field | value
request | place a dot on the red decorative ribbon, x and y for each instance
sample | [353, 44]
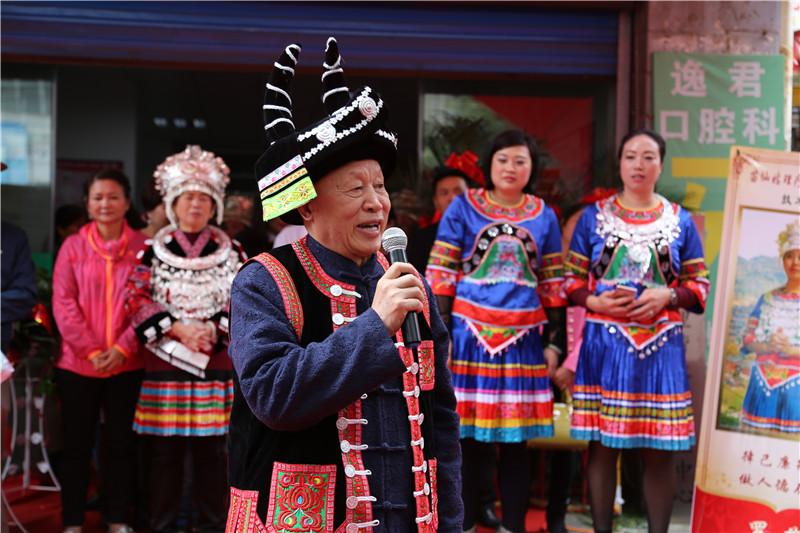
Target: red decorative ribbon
[597, 194]
[467, 163]
[425, 221]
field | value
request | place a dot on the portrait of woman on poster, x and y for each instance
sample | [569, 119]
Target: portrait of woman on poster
[772, 401]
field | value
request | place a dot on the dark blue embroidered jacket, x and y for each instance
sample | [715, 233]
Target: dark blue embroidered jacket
[296, 390]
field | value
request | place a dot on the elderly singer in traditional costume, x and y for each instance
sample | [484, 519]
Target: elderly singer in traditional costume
[336, 425]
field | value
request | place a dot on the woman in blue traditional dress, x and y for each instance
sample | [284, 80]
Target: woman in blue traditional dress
[634, 261]
[496, 268]
[772, 401]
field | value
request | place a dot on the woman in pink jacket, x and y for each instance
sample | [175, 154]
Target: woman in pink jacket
[100, 368]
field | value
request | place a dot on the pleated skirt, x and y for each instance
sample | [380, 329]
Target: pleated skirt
[505, 397]
[184, 408]
[623, 400]
[772, 408]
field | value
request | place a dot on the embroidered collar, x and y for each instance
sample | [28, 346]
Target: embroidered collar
[192, 250]
[530, 206]
[635, 216]
[785, 295]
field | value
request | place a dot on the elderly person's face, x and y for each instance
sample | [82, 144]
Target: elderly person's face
[193, 210]
[349, 213]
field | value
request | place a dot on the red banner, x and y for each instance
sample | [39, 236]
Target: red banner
[731, 515]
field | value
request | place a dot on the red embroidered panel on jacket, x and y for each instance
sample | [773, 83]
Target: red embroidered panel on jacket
[301, 498]
[425, 353]
[242, 515]
[291, 300]
[358, 503]
[419, 375]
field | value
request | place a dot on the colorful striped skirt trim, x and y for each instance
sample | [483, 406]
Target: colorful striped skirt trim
[505, 397]
[184, 408]
[624, 401]
[774, 408]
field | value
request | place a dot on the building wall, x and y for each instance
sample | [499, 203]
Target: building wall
[715, 27]
[96, 110]
[709, 28]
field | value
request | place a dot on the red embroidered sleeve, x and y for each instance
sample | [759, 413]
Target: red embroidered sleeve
[694, 276]
[291, 300]
[150, 320]
[576, 272]
[443, 268]
[551, 281]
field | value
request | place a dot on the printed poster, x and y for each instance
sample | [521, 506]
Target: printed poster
[748, 469]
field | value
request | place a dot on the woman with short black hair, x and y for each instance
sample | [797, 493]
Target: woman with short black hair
[496, 269]
[100, 367]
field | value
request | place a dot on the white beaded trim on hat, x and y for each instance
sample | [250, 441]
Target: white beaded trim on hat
[391, 137]
[328, 134]
[338, 115]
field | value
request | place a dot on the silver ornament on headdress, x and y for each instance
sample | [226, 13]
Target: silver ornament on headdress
[789, 238]
[193, 169]
[336, 93]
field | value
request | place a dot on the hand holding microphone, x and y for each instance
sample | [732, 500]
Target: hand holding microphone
[400, 292]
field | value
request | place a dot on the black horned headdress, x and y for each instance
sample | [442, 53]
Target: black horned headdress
[296, 158]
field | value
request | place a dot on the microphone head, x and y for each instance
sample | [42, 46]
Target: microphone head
[394, 239]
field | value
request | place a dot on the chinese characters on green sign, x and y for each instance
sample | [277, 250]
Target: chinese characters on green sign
[703, 105]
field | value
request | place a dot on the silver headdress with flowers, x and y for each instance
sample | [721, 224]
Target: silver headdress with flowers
[193, 169]
[789, 239]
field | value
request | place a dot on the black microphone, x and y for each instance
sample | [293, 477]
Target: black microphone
[394, 242]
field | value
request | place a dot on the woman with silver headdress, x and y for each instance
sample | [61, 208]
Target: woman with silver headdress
[179, 297]
[772, 401]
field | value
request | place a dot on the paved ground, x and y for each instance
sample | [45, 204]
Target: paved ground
[582, 522]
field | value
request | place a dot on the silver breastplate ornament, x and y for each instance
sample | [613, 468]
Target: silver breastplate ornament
[193, 288]
[639, 239]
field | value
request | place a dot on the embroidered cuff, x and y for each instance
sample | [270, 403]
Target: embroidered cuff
[579, 296]
[155, 327]
[698, 288]
[551, 293]
[577, 264]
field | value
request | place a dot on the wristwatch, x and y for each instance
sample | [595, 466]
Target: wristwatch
[673, 298]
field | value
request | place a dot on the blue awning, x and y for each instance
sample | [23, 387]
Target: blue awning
[415, 37]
